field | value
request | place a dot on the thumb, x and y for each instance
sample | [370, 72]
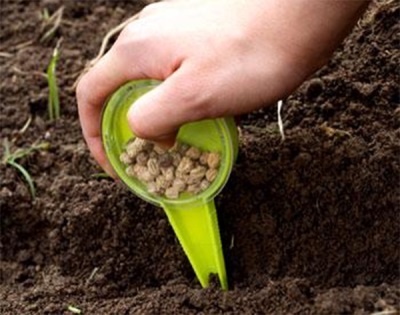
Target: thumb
[158, 115]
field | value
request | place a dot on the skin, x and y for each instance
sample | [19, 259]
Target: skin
[216, 58]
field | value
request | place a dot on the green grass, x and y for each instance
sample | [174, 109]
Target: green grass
[100, 175]
[53, 105]
[10, 158]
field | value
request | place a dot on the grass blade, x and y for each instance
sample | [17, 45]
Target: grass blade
[7, 152]
[100, 175]
[53, 105]
[25, 174]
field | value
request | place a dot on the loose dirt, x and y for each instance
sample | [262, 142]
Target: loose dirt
[310, 225]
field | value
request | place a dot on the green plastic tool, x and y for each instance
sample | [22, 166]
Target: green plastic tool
[193, 218]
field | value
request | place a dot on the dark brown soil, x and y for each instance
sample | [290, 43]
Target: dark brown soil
[310, 225]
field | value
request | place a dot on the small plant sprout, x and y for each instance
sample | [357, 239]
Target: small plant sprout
[100, 175]
[53, 106]
[10, 158]
[44, 15]
[74, 309]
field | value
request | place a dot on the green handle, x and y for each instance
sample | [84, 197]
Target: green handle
[197, 230]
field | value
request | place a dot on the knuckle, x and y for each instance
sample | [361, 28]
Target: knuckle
[81, 89]
[195, 97]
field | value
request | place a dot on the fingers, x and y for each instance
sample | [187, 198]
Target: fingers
[138, 47]
[92, 91]
[181, 98]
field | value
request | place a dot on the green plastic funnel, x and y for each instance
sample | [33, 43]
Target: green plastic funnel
[193, 218]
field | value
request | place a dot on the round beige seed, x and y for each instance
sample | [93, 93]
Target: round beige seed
[130, 171]
[125, 158]
[211, 174]
[185, 165]
[203, 158]
[142, 158]
[145, 176]
[162, 183]
[152, 188]
[152, 166]
[204, 184]
[196, 175]
[172, 193]
[165, 160]
[132, 151]
[213, 160]
[179, 184]
[169, 173]
[159, 150]
[193, 189]
[176, 158]
[193, 153]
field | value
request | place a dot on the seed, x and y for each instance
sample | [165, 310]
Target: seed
[148, 146]
[124, 158]
[132, 151]
[182, 148]
[139, 143]
[194, 189]
[142, 158]
[159, 150]
[130, 171]
[134, 147]
[179, 184]
[203, 158]
[142, 173]
[152, 188]
[145, 176]
[172, 193]
[213, 160]
[153, 155]
[193, 153]
[185, 165]
[183, 176]
[168, 172]
[182, 168]
[196, 174]
[204, 184]
[152, 165]
[165, 160]
[211, 174]
[176, 158]
[162, 182]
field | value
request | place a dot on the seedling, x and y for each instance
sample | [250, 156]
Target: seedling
[74, 309]
[53, 106]
[100, 175]
[44, 15]
[9, 158]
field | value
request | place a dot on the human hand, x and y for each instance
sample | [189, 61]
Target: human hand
[216, 57]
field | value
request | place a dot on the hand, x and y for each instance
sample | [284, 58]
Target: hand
[216, 57]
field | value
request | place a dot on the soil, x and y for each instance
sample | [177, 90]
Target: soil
[310, 225]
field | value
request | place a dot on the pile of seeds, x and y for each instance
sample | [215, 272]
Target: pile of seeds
[182, 168]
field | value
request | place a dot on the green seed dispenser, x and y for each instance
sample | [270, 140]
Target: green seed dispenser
[193, 217]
